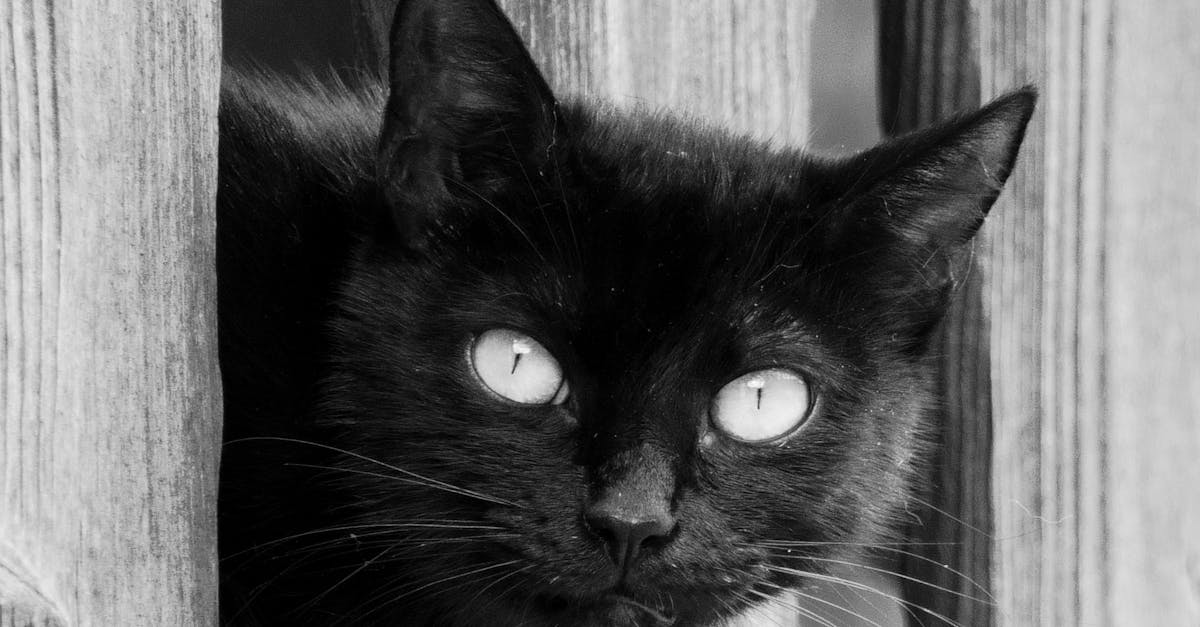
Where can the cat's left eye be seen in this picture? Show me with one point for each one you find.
(761, 406)
(518, 368)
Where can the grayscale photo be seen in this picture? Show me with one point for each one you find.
(558, 313)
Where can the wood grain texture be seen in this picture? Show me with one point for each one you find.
(1122, 154)
(108, 378)
(740, 63)
(1026, 451)
(1150, 282)
(1089, 303)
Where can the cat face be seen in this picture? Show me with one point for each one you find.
(600, 367)
(647, 478)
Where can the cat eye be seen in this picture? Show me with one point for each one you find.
(762, 406)
(518, 368)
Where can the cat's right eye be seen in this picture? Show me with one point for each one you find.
(518, 368)
(762, 406)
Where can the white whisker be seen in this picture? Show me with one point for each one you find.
(433, 483)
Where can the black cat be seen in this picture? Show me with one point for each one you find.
(515, 361)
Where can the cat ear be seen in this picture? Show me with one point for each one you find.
(933, 188)
(918, 199)
(468, 112)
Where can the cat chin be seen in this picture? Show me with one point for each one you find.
(617, 606)
(642, 597)
(608, 609)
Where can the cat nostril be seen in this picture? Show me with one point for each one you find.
(627, 535)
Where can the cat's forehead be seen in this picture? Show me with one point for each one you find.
(671, 201)
(665, 224)
(642, 157)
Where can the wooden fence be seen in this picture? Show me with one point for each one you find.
(1069, 483)
(108, 372)
(1072, 364)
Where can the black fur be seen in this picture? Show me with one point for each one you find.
(656, 258)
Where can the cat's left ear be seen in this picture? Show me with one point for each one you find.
(905, 209)
(467, 115)
(931, 189)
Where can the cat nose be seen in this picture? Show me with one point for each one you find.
(627, 530)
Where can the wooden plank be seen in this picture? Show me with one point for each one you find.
(1024, 447)
(1147, 179)
(1045, 301)
(1090, 283)
(108, 378)
(1090, 289)
(742, 64)
(1090, 421)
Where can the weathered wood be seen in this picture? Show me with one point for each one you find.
(1023, 334)
(743, 64)
(1147, 177)
(109, 388)
(1090, 276)
(1096, 499)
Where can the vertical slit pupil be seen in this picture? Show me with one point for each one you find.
(519, 347)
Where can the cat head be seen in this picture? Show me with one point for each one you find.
(611, 366)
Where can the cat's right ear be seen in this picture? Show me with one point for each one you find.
(468, 113)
